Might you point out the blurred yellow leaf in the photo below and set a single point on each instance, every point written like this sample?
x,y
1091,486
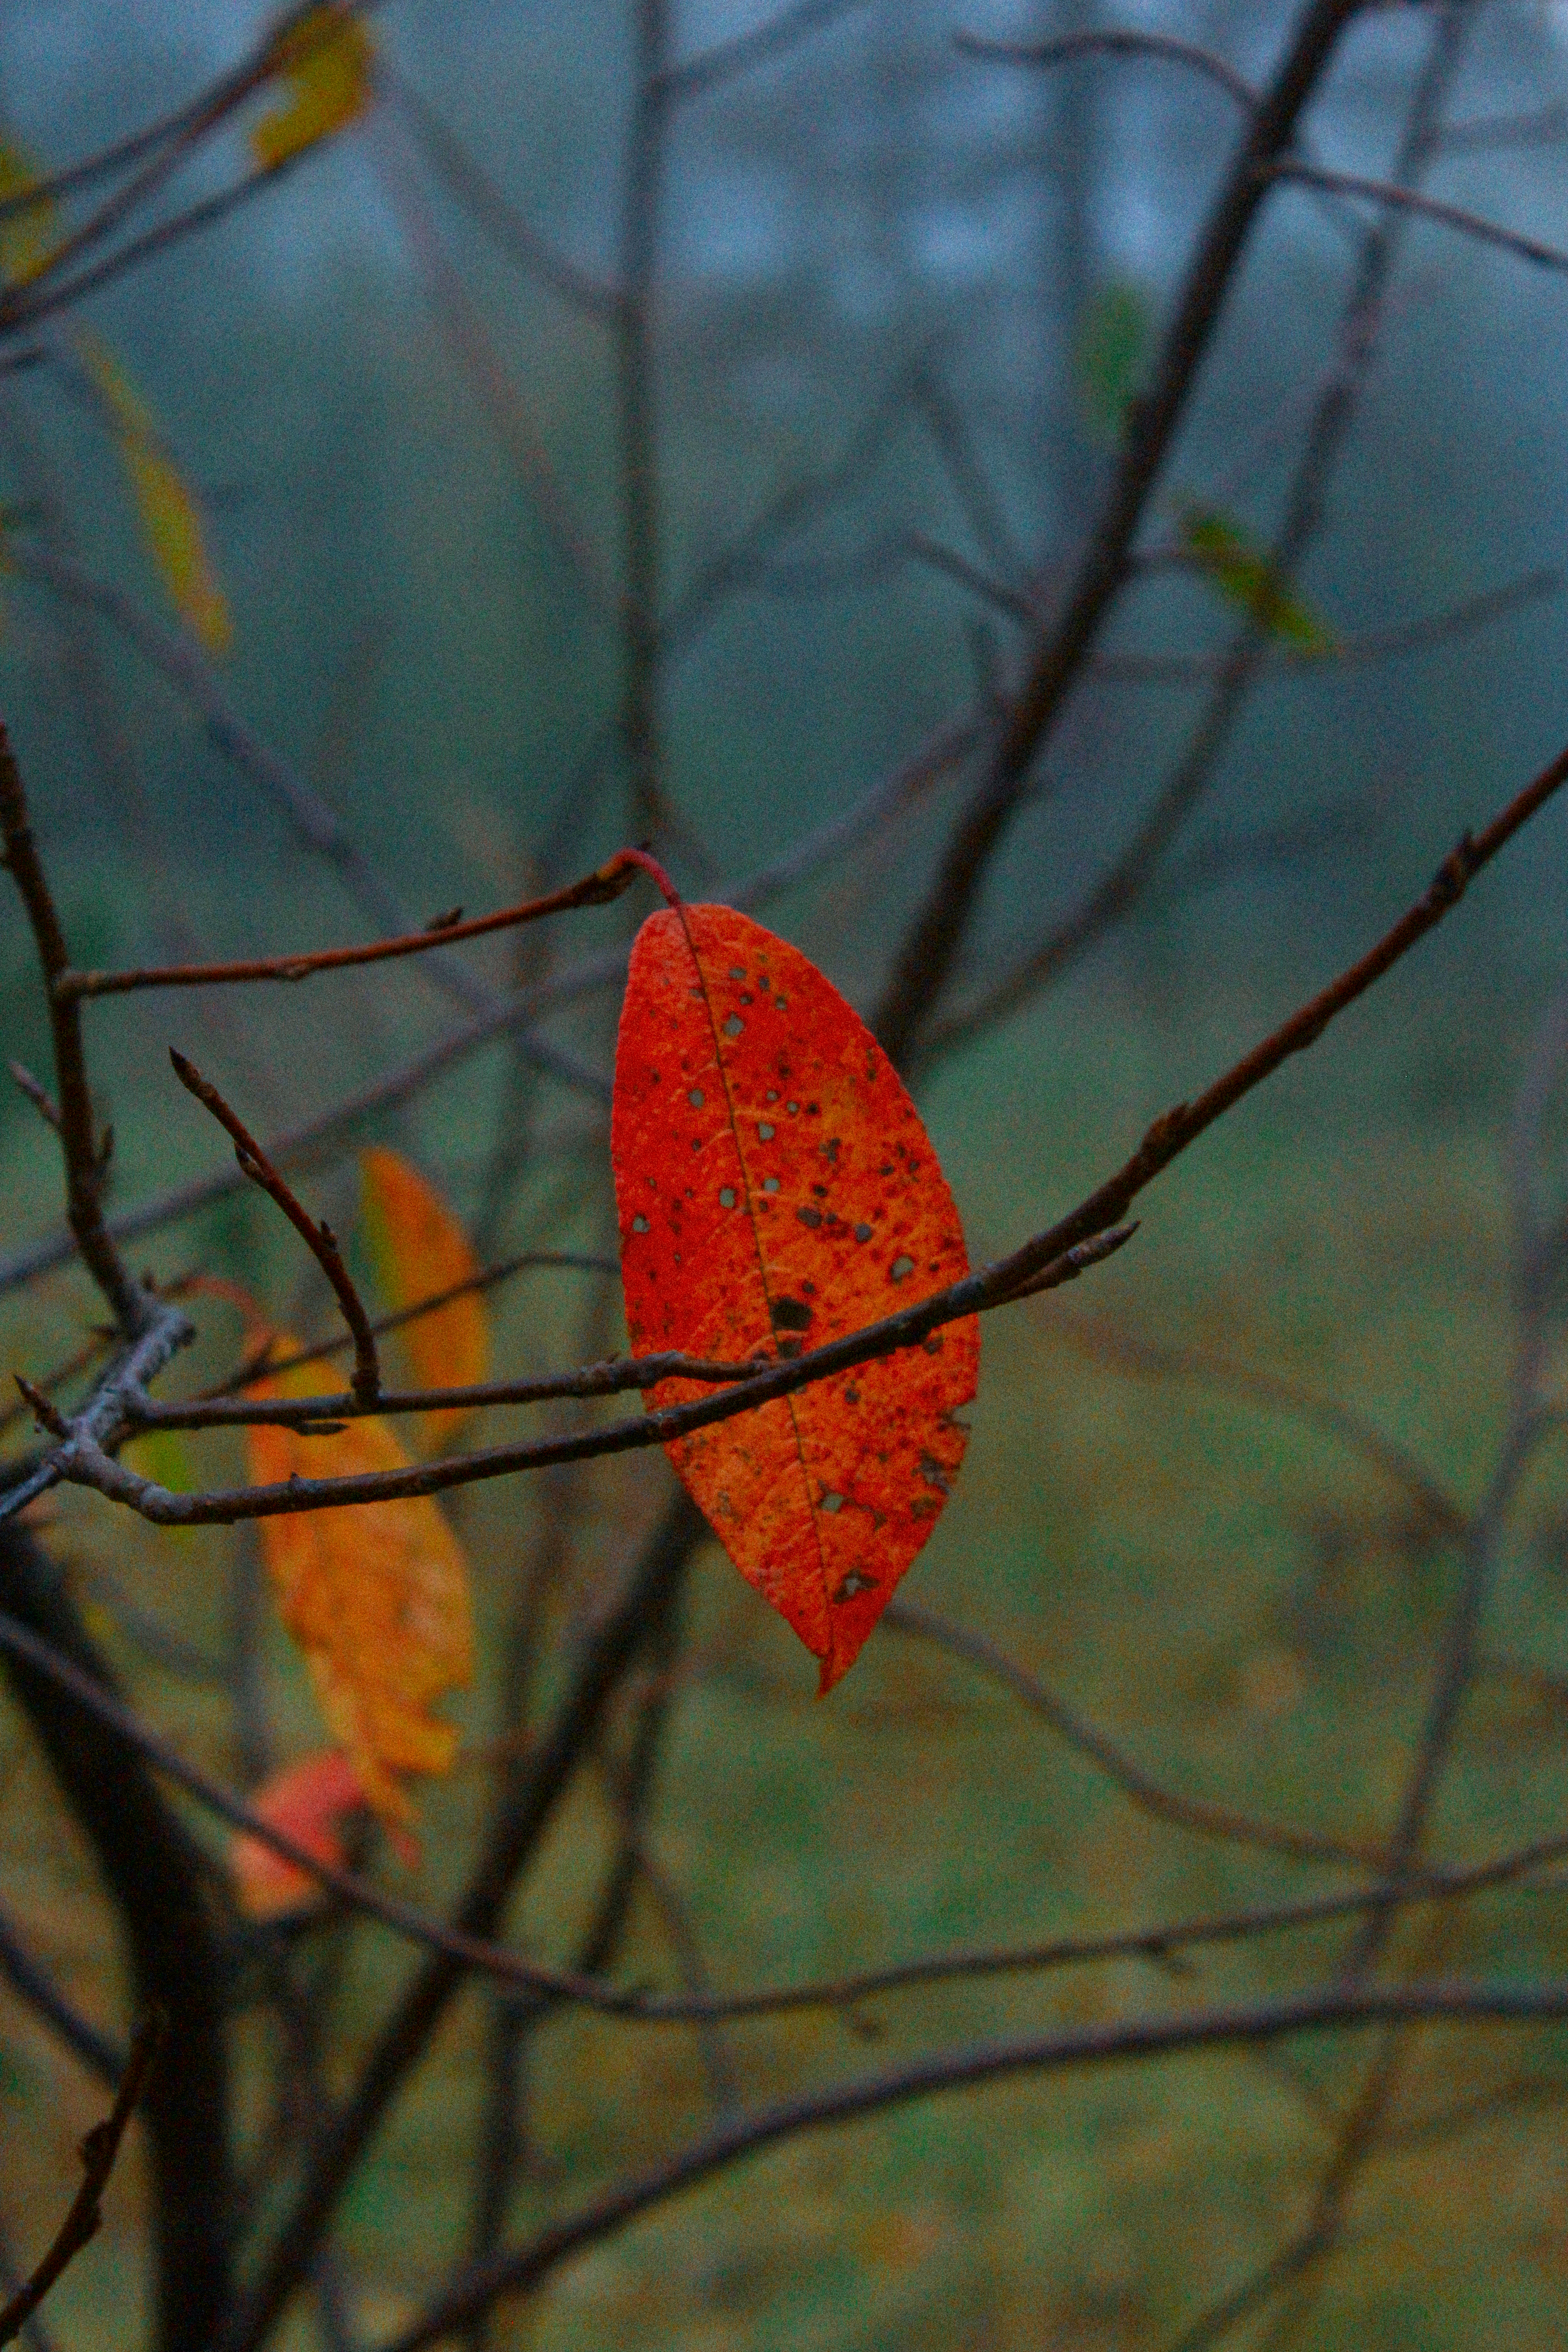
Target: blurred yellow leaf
x,y
171,522
417,1249
325,61
29,236
376,1597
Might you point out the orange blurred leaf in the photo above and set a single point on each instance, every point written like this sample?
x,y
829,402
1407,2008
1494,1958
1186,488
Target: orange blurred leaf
x,y
376,1597
417,1250
29,236
326,61
306,1800
776,1189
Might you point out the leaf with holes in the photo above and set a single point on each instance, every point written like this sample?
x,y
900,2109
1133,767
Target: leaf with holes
x,y
418,1250
775,1189
376,1596
307,1800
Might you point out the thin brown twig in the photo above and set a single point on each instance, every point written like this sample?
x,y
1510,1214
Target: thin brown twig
x,y
596,889
98,2150
318,1238
1057,1255
1194,1814
85,1152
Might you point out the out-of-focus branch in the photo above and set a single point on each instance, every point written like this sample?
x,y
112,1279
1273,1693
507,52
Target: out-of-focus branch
x,y
727,60
1160,49
1432,208
484,202
1332,2009
98,2151
923,963
1151,1796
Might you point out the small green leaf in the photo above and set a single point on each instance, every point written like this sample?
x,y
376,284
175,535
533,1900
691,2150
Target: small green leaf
x,y
1243,574
1115,336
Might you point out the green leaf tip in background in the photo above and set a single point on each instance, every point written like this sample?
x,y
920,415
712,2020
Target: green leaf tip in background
x,y
1115,337
1244,574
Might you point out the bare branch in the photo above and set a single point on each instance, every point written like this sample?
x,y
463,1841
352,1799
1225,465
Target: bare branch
x,y
1432,208
1161,48
728,59
596,889
98,2151
84,1151
318,1238
1053,1256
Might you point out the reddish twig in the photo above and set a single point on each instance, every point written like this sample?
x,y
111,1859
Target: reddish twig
x,y
1051,1258
318,1238
595,889
98,2150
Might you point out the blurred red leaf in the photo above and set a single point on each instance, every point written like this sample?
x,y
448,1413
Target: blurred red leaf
x,y
306,1800
776,1189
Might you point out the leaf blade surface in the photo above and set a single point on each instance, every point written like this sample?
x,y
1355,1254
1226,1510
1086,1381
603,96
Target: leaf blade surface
x,y
775,1189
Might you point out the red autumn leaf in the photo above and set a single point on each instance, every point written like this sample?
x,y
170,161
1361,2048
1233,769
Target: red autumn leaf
x,y
306,1800
775,1189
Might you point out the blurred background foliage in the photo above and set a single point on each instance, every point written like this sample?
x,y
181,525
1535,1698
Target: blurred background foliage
x,y
1243,1602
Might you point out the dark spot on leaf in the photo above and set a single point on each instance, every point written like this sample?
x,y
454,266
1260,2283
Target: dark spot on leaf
x,y
791,1315
932,1347
852,1396
856,1581
737,971
781,1002
934,1474
789,1349
862,1233
809,1216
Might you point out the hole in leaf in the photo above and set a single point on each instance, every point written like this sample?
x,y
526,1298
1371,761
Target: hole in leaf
x,y
639,1224
832,1502
770,1183
782,1002
853,1583
727,1198
792,1109
764,1132
809,1216
862,1233
737,971
901,1266
696,1097
733,1026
